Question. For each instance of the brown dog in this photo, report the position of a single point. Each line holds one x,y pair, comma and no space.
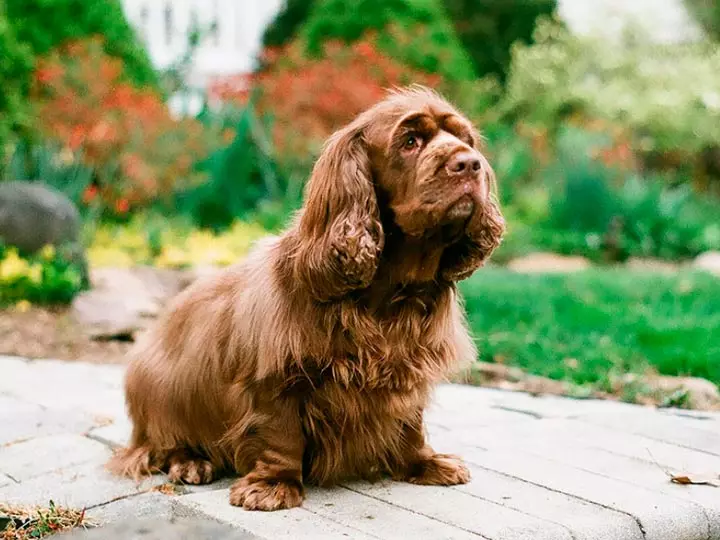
314,359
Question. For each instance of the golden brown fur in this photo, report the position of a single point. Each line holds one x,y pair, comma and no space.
314,359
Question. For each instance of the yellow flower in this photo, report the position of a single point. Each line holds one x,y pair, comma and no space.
35,273
23,306
172,257
48,252
12,267
101,257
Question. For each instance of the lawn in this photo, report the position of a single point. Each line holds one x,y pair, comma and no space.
584,327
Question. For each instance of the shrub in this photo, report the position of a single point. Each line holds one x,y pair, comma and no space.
638,85
43,279
416,32
138,151
311,97
287,22
707,13
489,28
44,25
61,169
15,67
241,175
605,212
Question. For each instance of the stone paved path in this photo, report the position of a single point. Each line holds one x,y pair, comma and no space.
543,468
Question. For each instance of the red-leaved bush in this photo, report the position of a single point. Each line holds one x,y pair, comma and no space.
309,98
138,151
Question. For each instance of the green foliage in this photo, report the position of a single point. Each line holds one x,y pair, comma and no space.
63,171
15,66
489,28
287,22
241,176
605,320
45,24
418,32
634,84
608,214
45,278
707,13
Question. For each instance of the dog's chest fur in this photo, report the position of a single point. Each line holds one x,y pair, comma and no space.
357,401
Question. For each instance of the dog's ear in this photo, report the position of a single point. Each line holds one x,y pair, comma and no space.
339,233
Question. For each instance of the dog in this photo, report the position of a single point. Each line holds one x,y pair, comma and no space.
313,360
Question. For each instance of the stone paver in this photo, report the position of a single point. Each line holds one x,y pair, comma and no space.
543,468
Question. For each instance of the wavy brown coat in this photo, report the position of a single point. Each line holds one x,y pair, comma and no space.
313,360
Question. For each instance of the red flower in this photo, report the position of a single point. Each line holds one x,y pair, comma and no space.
89,194
122,206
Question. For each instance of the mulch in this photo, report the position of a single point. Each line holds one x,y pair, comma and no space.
51,333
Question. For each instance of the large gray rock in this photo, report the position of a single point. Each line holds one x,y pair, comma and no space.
33,215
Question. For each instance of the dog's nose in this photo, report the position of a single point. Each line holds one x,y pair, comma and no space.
463,163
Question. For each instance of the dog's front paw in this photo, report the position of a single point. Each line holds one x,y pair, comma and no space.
440,470
266,495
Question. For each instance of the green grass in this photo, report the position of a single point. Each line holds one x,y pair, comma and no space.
587,326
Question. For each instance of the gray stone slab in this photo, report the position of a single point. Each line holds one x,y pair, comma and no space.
161,529
464,510
64,385
689,432
660,516
296,524
145,505
81,486
114,435
584,520
5,480
21,421
639,472
378,518
36,457
474,401
579,436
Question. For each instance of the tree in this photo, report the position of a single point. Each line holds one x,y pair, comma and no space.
287,22
15,67
417,32
43,25
489,28
707,14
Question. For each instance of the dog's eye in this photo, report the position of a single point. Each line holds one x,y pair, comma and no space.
412,142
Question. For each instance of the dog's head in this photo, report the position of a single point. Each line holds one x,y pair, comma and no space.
410,163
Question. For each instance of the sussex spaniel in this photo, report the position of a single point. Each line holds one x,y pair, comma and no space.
313,360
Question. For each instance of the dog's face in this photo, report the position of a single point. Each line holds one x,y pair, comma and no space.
410,166
426,165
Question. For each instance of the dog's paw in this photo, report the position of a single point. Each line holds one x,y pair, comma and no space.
441,470
266,495
187,470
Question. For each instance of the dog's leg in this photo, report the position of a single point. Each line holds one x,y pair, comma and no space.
185,467
275,481
420,464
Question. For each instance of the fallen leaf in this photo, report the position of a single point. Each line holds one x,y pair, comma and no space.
696,480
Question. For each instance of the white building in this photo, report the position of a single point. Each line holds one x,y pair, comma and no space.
233,32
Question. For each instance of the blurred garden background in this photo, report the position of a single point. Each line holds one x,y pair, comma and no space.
171,135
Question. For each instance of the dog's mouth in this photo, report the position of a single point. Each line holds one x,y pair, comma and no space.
461,210
456,219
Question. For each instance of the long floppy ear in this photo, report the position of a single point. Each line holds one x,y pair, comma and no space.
339,233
